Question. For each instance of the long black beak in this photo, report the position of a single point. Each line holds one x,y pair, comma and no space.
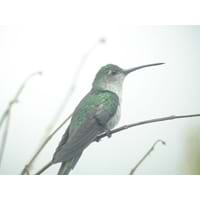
127,71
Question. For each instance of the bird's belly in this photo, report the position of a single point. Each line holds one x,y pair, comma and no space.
115,119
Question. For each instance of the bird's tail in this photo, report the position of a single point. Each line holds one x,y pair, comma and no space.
67,166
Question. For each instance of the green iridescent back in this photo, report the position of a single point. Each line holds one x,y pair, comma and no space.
98,102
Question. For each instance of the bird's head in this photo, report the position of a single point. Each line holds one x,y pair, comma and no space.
112,76
109,74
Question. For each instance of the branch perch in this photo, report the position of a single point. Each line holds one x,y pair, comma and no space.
110,133
172,117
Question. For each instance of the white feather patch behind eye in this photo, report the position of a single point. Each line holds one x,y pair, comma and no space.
109,72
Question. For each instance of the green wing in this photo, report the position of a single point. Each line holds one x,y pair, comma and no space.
101,104
83,129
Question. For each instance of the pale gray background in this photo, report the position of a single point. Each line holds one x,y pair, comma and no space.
150,93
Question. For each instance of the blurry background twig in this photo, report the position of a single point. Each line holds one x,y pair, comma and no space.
72,87
5,134
26,169
6,117
48,135
146,155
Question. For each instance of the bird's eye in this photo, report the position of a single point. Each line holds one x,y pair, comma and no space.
109,72
114,72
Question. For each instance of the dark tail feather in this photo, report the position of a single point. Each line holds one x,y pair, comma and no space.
67,166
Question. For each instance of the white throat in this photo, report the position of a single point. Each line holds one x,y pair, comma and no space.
116,88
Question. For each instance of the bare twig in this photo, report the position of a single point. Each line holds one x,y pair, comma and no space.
63,104
44,168
27,167
73,86
145,156
5,135
20,90
16,97
110,133
6,114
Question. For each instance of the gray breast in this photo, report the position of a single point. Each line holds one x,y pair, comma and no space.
115,119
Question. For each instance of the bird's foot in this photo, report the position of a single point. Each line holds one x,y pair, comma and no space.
108,133
97,139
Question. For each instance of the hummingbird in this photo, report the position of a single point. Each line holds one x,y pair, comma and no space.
97,112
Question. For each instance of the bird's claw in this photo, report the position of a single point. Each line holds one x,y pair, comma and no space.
108,134
98,139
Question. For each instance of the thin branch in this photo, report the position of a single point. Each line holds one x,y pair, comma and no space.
27,167
146,155
110,133
6,114
16,97
5,135
73,86
44,168
65,101
20,90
